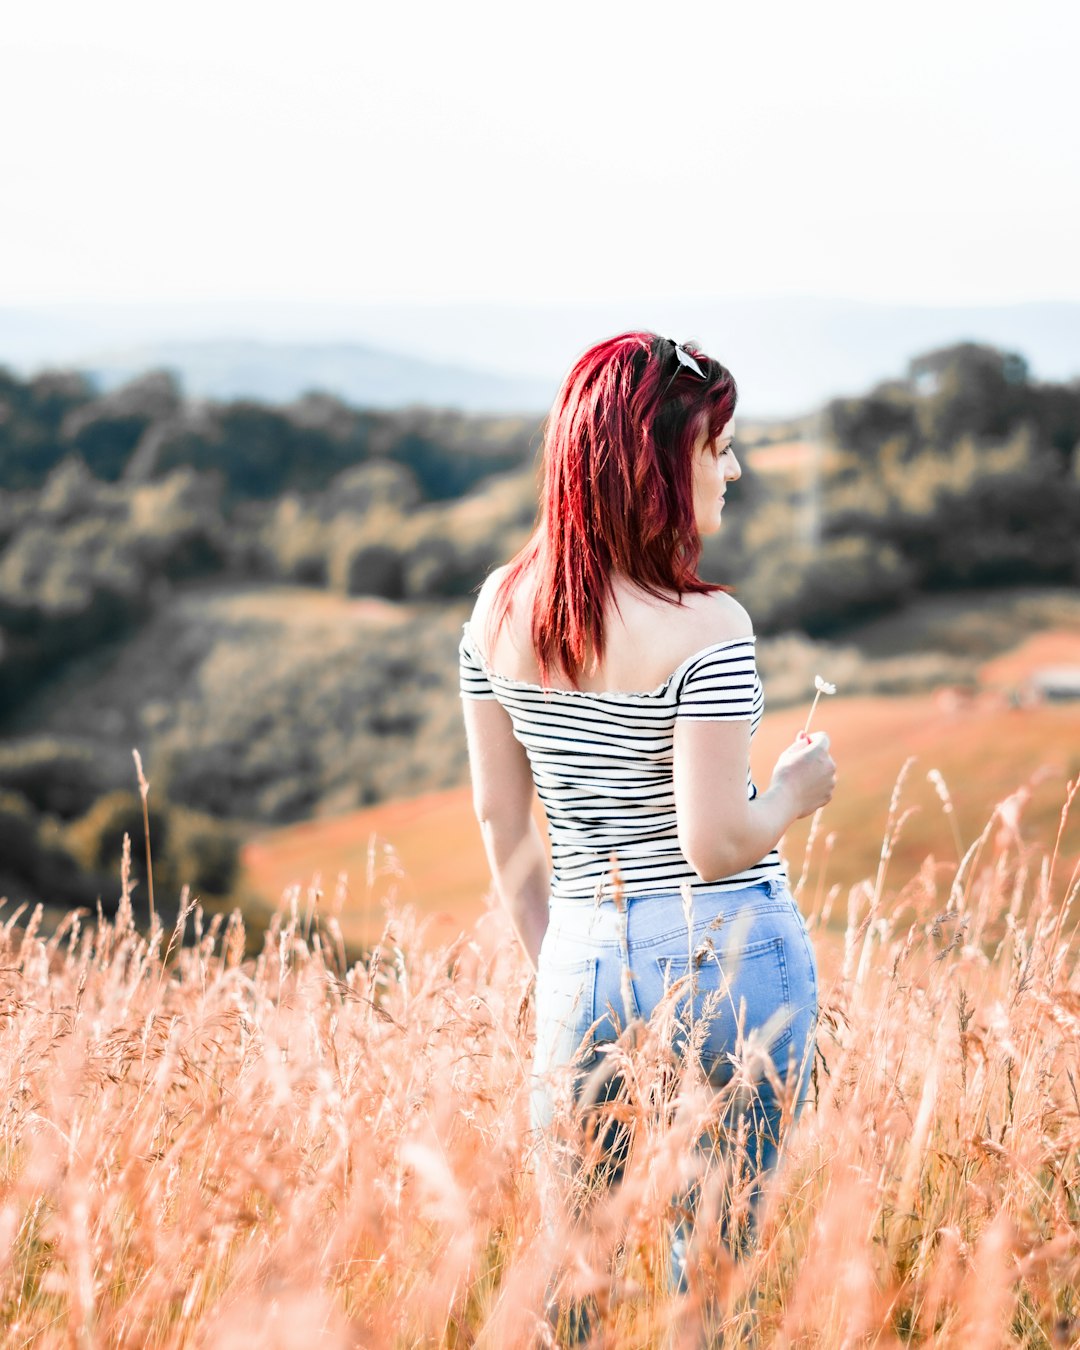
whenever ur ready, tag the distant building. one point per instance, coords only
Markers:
(1056, 684)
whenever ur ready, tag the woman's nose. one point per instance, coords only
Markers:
(733, 470)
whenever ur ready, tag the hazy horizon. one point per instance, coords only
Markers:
(789, 355)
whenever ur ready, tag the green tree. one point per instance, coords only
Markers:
(970, 389)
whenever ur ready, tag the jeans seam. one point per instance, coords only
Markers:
(785, 979)
(746, 949)
(813, 972)
(643, 944)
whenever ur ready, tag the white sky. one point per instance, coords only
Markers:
(568, 149)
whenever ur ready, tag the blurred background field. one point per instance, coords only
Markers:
(266, 602)
(986, 744)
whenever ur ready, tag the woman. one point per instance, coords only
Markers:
(600, 671)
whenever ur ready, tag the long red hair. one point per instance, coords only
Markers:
(618, 491)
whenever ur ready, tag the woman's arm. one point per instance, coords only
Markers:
(721, 831)
(503, 798)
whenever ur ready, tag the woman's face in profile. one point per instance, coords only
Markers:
(715, 466)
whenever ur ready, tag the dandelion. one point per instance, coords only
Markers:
(820, 687)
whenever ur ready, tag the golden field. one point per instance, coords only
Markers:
(201, 1149)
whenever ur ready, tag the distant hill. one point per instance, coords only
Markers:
(282, 372)
(790, 355)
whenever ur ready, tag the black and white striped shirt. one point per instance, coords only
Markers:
(603, 764)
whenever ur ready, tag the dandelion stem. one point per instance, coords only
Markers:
(820, 687)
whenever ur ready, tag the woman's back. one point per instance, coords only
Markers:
(645, 638)
(602, 755)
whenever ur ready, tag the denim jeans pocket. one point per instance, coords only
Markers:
(738, 993)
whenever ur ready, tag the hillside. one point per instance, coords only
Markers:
(270, 703)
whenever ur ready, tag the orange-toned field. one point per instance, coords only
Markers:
(984, 746)
(293, 1149)
(783, 457)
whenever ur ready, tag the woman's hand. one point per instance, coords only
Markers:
(805, 773)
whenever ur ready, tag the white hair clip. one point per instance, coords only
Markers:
(685, 359)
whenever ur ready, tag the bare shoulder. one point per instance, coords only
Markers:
(716, 617)
(506, 641)
(648, 638)
(486, 596)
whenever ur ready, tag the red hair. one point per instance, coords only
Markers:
(618, 491)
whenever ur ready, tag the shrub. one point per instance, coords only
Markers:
(204, 853)
(175, 525)
(368, 560)
(378, 485)
(30, 417)
(820, 591)
(33, 866)
(18, 834)
(290, 543)
(97, 839)
(62, 778)
(187, 848)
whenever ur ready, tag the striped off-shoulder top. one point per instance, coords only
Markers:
(603, 764)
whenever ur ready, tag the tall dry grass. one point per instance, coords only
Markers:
(295, 1151)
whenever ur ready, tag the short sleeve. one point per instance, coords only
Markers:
(474, 681)
(721, 683)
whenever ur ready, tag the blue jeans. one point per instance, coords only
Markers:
(603, 966)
